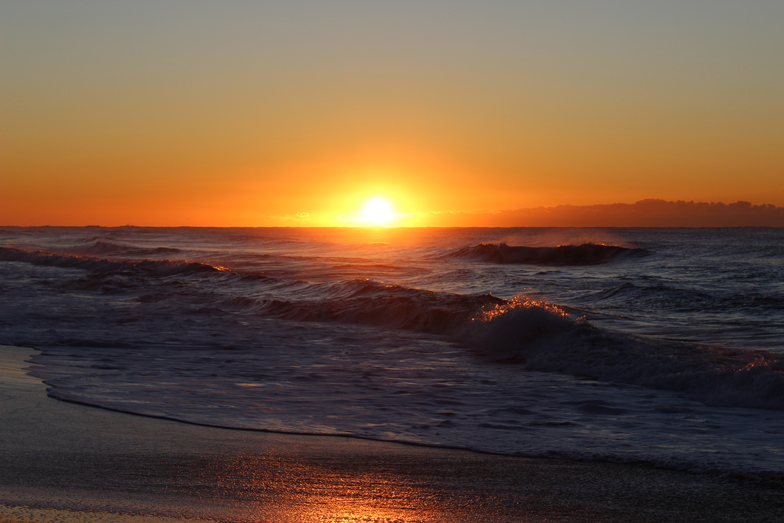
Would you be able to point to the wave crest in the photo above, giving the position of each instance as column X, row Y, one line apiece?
column 371, row 303
column 544, row 337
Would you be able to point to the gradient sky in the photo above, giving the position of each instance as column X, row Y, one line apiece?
column 292, row 112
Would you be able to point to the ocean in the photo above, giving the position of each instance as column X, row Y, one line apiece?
column 662, row 346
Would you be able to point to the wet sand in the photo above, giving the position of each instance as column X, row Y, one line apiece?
column 63, row 462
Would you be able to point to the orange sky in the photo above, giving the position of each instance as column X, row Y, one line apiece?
column 295, row 113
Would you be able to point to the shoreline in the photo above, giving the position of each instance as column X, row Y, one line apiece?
column 62, row 461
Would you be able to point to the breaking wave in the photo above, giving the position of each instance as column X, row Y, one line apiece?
column 544, row 337
column 538, row 335
column 393, row 306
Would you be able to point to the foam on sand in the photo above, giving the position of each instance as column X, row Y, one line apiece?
column 67, row 462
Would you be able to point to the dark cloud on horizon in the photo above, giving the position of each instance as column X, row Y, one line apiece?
column 644, row 213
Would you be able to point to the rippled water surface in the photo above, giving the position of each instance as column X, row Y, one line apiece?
column 663, row 345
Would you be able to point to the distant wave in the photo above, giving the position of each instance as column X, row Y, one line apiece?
column 104, row 248
column 671, row 297
column 585, row 254
column 158, row 268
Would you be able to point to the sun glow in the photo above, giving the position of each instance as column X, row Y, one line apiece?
column 377, row 211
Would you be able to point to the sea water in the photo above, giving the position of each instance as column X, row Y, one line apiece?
column 663, row 346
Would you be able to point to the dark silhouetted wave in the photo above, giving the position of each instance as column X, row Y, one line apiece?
column 104, row 248
column 585, row 254
column 159, row 268
column 392, row 306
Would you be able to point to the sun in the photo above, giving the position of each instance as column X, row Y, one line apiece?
column 377, row 211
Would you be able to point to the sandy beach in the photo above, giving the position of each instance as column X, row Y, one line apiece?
column 63, row 462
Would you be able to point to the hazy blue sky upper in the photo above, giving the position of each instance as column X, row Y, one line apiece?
column 297, row 112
